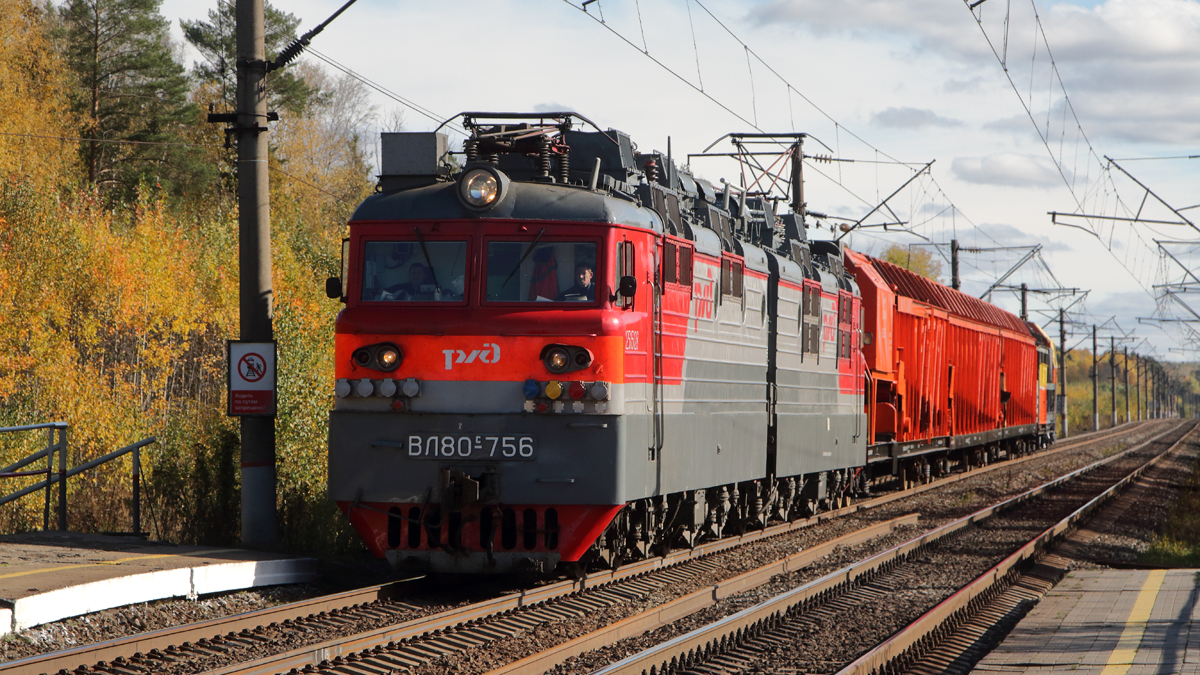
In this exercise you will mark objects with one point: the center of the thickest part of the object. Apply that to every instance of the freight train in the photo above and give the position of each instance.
(567, 352)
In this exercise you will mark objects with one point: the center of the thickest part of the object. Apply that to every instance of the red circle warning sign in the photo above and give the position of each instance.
(251, 376)
(252, 367)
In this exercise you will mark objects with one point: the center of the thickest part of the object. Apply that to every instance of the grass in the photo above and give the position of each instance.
(1178, 545)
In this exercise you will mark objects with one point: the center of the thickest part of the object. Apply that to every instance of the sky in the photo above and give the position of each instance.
(889, 84)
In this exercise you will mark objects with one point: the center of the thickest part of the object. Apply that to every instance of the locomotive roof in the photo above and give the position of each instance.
(525, 201)
(912, 285)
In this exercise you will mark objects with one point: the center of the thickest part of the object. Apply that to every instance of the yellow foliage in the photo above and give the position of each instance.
(33, 96)
(920, 260)
(116, 319)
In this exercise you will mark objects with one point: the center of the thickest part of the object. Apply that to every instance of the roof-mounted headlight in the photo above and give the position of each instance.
(482, 188)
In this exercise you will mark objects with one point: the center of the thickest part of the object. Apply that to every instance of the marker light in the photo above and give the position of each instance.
(600, 391)
(479, 188)
(576, 390)
(542, 406)
(531, 389)
(399, 405)
(553, 389)
(557, 359)
(387, 388)
(364, 387)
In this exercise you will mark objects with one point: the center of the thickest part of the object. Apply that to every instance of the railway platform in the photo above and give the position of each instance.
(1107, 622)
(48, 576)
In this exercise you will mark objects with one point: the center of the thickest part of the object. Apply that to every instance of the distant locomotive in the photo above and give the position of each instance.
(571, 352)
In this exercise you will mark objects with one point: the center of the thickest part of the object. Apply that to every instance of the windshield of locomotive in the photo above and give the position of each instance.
(541, 271)
(411, 271)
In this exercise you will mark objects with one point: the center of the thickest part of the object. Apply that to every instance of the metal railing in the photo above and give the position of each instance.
(60, 476)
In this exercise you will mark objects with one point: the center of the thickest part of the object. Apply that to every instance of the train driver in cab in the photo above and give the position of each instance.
(584, 289)
(418, 286)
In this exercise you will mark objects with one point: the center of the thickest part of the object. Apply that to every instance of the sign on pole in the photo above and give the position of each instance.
(251, 378)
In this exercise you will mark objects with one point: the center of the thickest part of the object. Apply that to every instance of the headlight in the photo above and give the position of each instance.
(556, 359)
(388, 357)
(560, 359)
(480, 188)
(385, 357)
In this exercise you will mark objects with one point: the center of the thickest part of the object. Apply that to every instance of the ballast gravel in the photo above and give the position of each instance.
(937, 507)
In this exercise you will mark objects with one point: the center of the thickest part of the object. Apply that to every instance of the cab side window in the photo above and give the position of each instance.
(626, 267)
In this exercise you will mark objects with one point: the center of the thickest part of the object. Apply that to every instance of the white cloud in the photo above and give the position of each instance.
(552, 107)
(1008, 169)
(1122, 61)
(911, 118)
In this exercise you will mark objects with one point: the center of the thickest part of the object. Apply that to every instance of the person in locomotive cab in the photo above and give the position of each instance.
(584, 289)
(419, 286)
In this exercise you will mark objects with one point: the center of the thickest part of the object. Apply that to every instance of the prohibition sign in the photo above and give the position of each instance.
(252, 367)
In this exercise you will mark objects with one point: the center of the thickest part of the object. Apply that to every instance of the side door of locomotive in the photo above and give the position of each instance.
(635, 256)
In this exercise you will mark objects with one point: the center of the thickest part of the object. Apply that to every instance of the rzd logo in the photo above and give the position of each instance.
(489, 354)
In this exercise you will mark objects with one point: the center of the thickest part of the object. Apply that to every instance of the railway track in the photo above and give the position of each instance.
(371, 618)
(890, 613)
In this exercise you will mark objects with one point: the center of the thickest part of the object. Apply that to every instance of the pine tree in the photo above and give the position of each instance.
(131, 97)
(217, 41)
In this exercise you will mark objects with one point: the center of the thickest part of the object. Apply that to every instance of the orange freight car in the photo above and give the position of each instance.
(951, 377)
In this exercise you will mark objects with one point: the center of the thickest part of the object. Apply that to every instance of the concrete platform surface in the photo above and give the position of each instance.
(48, 576)
(1108, 622)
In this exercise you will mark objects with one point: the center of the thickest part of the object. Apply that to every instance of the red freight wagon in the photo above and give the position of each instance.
(946, 370)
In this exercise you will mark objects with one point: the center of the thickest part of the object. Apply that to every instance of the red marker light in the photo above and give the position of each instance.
(398, 405)
(576, 390)
(542, 406)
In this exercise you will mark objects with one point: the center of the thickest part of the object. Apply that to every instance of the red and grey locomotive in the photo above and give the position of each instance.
(569, 351)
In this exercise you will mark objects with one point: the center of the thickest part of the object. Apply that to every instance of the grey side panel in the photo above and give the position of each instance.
(578, 458)
(702, 450)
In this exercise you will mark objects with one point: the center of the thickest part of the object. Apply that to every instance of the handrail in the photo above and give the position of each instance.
(48, 452)
(63, 473)
(31, 427)
(30, 459)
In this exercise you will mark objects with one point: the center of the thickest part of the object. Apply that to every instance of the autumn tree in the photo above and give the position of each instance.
(919, 260)
(131, 96)
(33, 96)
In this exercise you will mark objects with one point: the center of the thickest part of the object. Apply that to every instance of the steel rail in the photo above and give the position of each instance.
(754, 619)
(691, 603)
(902, 646)
(316, 657)
(165, 638)
(161, 639)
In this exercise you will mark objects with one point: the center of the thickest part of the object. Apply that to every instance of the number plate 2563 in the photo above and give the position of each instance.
(470, 446)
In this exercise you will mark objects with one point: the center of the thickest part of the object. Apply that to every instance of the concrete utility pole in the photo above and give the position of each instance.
(1137, 381)
(255, 298)
(1095, 386)
(954, 281)
(1125, 363)
(1112, 376)
(1153, 392)
(1061, 385)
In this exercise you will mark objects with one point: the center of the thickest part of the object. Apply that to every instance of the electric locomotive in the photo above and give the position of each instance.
(569, 351)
